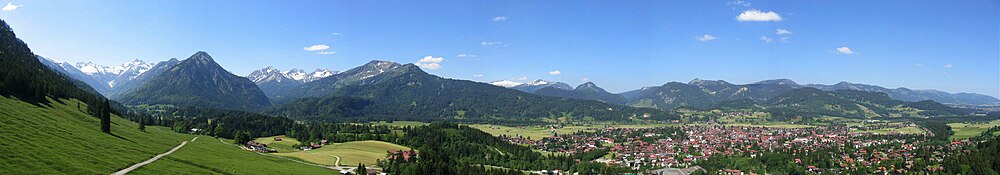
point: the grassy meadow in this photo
(966, 130)
(350, 153)
(58, 138)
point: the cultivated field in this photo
(966, 130)
(350, 153)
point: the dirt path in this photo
(151, 160)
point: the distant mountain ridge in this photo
(585, 91)
(531, 87)
(704, 93)
(273, 81)
(381, 89)
(108, 80)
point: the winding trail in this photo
(151, 160)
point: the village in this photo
(818, 149)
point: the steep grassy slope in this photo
(57, 138)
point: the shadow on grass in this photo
(120, 137)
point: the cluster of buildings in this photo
(312, 145)
(257, 147)
(682, 146)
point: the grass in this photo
(350, 153)
(57, 138)
(967, 130)
(283, 146)
(212, 156)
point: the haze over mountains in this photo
(704, 93)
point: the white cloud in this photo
(555, 72)
(477, 75)
(430, 62)
(326, 52)
(781, 31)
(317, 47)
(499, 18)
(522, 78)
(947, 65)
(490, 43)
(757, 15)
(10, 7)
(784, 39)
(766, 39)
(467, 55)
(337, 33)
(585, 79)
(918, 65)
(706, 37)
(844, 50)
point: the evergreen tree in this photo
(105, 116)
(142, 124)
(361, 169)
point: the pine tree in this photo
(105, 116)
(142, 124)
(361, 169)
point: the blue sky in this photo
(952, 46)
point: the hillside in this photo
(852, 103)
(198, 81)
(73, 142)
(60, 139)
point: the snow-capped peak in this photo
(273, 74)
(538, 82)
(297, 74)
(505, 83)
(322, 73)
(90, 68)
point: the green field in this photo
(966, 130)
(283, 146)
(56, 138)
(350, 153)
(212, 156)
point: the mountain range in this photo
(198, 81)
(382, 89)
(272, 80)
(531, 87)
(704, 93)
(108, 80)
